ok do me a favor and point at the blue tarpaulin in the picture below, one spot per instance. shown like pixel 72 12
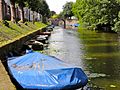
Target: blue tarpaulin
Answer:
pixel 76 25
pixel 39 71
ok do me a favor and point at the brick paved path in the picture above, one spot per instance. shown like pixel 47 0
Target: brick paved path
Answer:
pixel 5 82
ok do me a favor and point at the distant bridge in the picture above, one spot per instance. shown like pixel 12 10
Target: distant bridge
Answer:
pixel 57 22
pixel 64 22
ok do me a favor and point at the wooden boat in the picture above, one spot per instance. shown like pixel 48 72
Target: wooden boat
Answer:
pixel 45 33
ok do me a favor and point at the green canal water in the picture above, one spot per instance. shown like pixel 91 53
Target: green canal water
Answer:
pixel 102 58
pixel 98 54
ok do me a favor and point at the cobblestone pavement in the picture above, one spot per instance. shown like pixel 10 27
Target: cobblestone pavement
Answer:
pixel 5 82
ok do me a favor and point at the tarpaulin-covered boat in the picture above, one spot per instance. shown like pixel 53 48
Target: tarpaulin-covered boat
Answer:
pixel 39 71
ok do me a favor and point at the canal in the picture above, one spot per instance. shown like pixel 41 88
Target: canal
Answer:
pixel 98 54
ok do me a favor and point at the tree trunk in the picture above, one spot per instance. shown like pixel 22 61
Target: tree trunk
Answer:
pixel 13 11
pixel 21 14
pixel 5 11
pixel 29 14
pixel 41 18
pixel 1 10
pixel 33 18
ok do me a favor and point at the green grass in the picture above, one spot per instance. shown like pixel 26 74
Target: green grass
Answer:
pixel 17 31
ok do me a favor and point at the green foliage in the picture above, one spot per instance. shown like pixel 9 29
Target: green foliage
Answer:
pixel 67 10
pixel 33 4
pixel 61 15
pixel 5 23
pixel 39 6
pixel 52 13
pixel 54 16
pixel 117 26
pixel 97 12
pixel 21 2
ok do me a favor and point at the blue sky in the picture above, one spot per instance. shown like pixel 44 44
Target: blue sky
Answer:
pixel 56 5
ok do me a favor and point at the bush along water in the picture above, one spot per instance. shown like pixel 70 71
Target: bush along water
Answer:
pixel 104 15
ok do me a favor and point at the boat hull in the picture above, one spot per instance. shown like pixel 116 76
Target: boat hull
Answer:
pixel 39 71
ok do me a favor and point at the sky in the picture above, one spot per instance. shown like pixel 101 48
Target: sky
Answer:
pixel 56 5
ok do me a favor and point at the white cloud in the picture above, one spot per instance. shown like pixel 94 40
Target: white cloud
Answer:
pixel 57 5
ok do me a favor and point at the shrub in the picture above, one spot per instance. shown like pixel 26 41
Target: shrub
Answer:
pixel 5 23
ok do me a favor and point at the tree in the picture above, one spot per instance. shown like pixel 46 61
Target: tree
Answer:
pixel 39 6
pixel 1 9
pixel 13 12
pixel 102 13
pixel 52 13
pixel 67 10
pixel 55 16
pixel 44 8
pixel 21 4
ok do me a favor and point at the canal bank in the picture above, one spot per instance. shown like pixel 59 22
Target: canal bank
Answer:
pixel 5 82
pixel 13 45
pixel 15 35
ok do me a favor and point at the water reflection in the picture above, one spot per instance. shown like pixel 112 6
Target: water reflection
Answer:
pixel 102 55
pixel 98 54
pixel 65 45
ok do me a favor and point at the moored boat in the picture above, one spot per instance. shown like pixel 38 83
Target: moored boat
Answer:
pixel 38 71
pixel 45 33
